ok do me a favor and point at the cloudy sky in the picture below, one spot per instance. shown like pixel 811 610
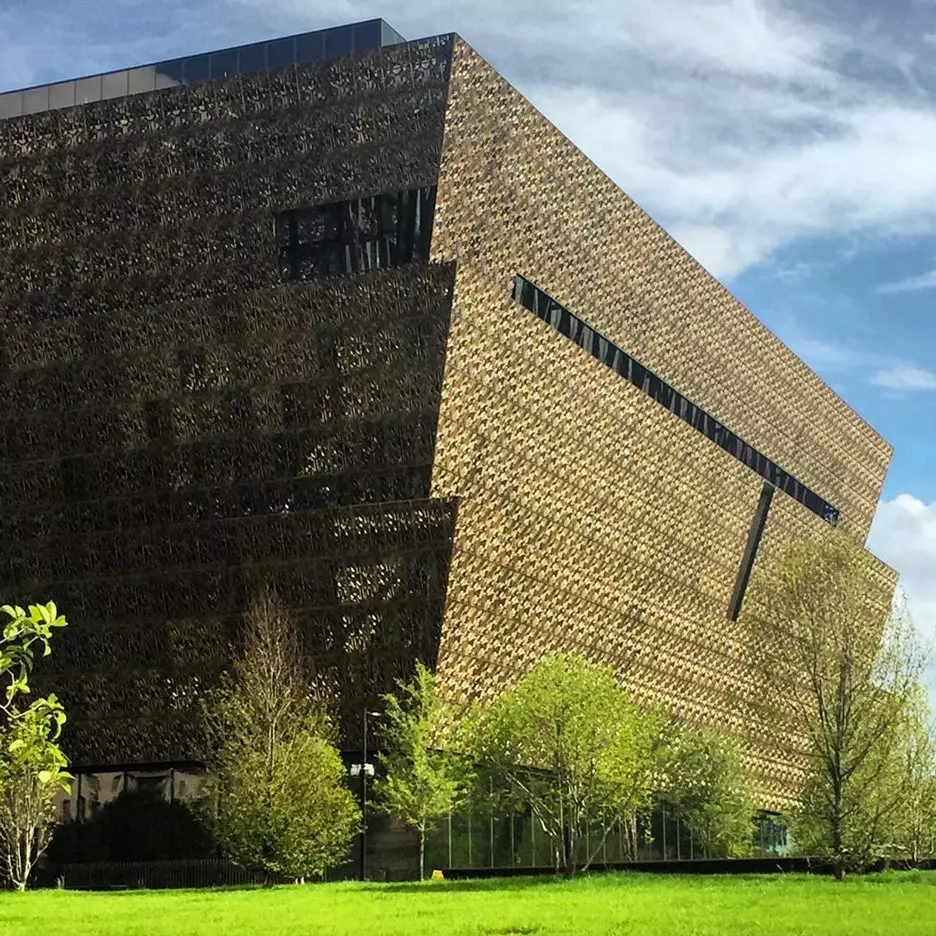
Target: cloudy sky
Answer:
pixel 791 146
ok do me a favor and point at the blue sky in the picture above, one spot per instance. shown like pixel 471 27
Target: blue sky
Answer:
pixel 790 146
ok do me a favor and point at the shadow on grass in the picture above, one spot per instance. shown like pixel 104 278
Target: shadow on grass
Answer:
pixel 483 885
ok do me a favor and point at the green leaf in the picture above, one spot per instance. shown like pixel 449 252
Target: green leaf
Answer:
pixel 45 776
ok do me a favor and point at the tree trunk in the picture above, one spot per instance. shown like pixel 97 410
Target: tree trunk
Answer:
pixel 838 851
pixel 568 850
pixel 422 853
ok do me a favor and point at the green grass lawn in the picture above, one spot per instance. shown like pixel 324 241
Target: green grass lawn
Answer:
pixel 631 904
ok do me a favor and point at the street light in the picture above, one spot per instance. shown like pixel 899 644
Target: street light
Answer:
pixel 365 770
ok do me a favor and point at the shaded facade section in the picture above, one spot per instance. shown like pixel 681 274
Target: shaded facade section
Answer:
pixel 181 426
pixel 300 458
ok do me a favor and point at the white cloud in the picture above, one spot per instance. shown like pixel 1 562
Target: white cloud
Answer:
pixel 904 536
pixel 905 377
pixel 911 284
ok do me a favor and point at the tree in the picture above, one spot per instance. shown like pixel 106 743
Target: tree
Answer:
pixel 32 766
pixel 276 796
pixel 580 754
pixel 834 669
pixel 709 788
pixel 914 770
pixel 422 780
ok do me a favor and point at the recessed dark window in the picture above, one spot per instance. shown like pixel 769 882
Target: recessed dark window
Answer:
pixel 158 417
pixel 309 47
pixel 253 57
pixel 373 233
pixel 570 325
pixel 367 35
pixel 74 478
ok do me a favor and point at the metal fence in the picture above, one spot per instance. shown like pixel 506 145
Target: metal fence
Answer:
pixel 153 875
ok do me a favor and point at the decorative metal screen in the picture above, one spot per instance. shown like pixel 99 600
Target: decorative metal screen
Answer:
pixel 180 427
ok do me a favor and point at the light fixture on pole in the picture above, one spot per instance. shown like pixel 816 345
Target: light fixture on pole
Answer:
pixel 365 770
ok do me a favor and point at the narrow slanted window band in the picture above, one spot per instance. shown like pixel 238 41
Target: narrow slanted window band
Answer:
pixel 750 551
pixel 598 346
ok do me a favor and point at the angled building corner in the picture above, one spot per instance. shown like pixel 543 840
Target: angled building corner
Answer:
pixel 624 437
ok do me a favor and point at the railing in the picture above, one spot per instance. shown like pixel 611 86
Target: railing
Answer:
pixel 154 875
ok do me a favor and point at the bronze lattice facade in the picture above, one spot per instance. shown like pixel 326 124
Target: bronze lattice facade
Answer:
pixel 371 329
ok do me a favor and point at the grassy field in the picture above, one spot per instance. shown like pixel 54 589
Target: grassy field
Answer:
pixel 620 904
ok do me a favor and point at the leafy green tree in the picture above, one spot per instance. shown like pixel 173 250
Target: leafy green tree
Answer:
pixel 422 779
pixel 579 753
pixel 32 765
pixel 915 768
pixel 835 667
pixel 708 786
pixel 276 797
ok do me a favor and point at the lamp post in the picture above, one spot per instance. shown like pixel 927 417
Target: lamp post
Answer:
pixel 364 794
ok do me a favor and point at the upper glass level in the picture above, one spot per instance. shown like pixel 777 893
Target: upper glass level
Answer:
pixel 258 56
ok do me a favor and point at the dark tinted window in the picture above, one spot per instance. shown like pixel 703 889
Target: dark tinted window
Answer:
pixel 224 64
pixel 309 47
pixel 281 53
pixel 169 74
pixel 253 57
pixel 387 230
pixel 197 68
pixel 338 41
pixel 367 35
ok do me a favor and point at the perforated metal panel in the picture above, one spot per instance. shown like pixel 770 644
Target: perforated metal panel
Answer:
pixel 590 517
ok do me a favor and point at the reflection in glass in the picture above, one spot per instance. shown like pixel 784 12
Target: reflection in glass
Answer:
pixel 309 47
pixel 87 90
pixel 258 56
pixel 11 105
pixel 114 85
pixel 196 69
pixel 338 41
pixel 367 35
pixel 169 74
pixel 62 95
pixel 253 57
pixel 388 35
pixel 281 53
pixel 224 64
pixel 141 80
pixel 36 100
